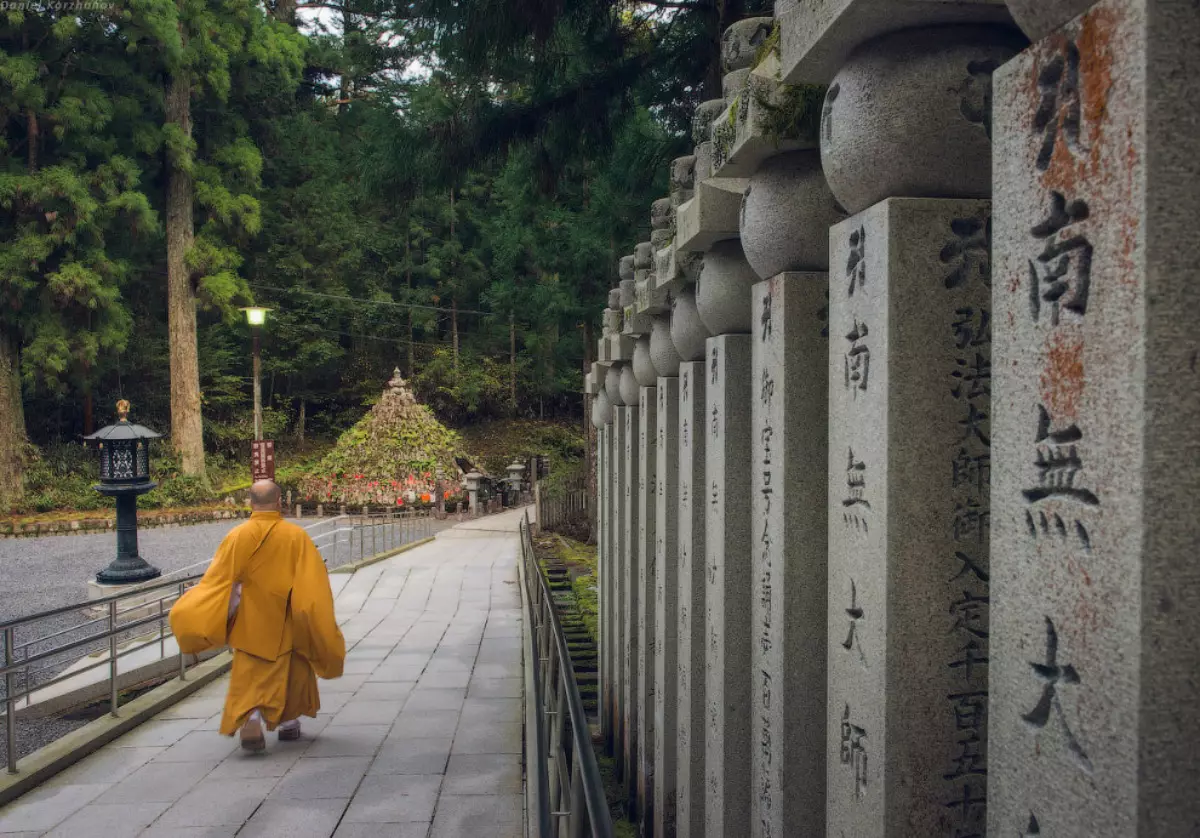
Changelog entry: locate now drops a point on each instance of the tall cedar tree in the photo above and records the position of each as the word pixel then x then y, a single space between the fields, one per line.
pixel 202 50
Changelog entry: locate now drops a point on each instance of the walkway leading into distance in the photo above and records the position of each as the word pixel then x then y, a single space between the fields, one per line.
pixel 421 738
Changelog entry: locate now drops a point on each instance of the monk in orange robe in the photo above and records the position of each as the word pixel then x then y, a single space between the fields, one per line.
pixel 267 595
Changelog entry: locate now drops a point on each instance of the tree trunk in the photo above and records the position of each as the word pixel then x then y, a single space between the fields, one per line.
pixel 187 429
pixel 454 329
pixel 411 337
pixel 725 14
pixel 12 423
pixel 285 11
pixel 300 421
pixel 344 85
pixel 33 134
pixel 512 360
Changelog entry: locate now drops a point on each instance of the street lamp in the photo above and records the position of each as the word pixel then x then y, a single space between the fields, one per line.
pixel 125 474
pixel 256 316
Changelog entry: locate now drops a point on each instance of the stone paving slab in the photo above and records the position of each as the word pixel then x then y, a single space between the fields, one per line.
pixel 422 737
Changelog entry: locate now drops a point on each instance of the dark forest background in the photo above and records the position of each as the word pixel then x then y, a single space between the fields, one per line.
pixel 439 186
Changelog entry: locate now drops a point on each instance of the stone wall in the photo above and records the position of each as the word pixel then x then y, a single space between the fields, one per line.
pixel 903 542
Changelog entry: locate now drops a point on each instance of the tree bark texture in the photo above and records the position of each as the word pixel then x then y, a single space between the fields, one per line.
pixel 12 422
pixel 33 136
pixel 412 362
pixel 187 429
pixel 512 361
pixel 454 329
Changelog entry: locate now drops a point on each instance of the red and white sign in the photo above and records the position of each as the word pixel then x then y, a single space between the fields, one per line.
pixel 262 459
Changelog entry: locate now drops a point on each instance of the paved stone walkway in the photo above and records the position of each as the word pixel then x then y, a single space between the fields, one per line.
pixel 421 738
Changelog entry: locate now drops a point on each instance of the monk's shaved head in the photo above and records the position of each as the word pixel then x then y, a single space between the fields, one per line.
pixel 264 494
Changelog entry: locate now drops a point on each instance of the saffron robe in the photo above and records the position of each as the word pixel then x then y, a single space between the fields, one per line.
pixel 284 633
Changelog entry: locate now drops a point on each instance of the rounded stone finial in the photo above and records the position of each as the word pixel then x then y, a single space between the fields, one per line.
pixel 660 214
pixel 723 290
pixel 688 331
pixel 1038 18
pixel 625 269
pixel 786 215
pixel 643 366
pixel 689 263
pixel 614 298
pixel 909 115
pixel 643 257
pixel 602 412
pixel 628 292
pixel 612 321
pixel 704 161
pixel 612 384
pixel 741 41
pixel 733 84
pixel 629 385
pixel 702 122
pixel 683 173
pixel 662 350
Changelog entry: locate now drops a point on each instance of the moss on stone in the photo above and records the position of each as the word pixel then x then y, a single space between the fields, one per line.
pixel 724 135
pixel 792 111
pixel 768 47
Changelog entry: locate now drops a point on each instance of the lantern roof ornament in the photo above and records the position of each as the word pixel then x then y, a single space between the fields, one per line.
pixel 123 429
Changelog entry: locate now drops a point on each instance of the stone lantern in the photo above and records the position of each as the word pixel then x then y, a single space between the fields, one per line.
pixel 125 474
pixel 473 480
pixel 515 481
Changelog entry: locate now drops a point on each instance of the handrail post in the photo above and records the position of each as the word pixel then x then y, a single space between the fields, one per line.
pixel 10 704
pixel 113 697
pixel 577 820
pixel 182 662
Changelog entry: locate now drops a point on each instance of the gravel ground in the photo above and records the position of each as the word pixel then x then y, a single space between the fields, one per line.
pixel 37 574
pixel 40 574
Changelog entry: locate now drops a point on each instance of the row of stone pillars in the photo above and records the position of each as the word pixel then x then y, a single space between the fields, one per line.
pixel 910 240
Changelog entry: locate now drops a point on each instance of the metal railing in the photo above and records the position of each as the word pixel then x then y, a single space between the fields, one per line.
pixel 350 538
pixel 125 616
pixel 37 660
pixel 571 792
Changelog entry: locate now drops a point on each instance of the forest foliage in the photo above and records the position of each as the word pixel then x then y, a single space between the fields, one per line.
pixel 436 185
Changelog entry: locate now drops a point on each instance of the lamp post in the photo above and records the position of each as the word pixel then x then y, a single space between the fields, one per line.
pixel 256 316
pixel 125 474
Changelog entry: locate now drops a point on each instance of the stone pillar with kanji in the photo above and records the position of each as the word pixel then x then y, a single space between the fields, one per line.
pixel 768 137
pixel 1095 642
pixel 905 148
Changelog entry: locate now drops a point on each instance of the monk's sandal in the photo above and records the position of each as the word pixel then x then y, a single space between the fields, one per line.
pixel 253 738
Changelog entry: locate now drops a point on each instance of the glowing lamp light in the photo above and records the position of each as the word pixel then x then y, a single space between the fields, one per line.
pixel 255 315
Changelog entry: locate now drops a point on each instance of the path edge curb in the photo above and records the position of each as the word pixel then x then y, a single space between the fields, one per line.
pixel 59 755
